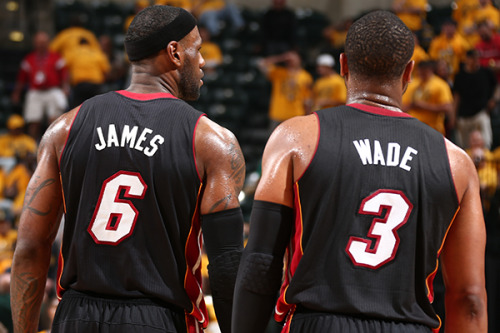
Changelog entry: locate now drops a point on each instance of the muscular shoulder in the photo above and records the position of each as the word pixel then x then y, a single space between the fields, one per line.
pixel 215 144
pixel 54 139
pixel 463 171
pixel 294 140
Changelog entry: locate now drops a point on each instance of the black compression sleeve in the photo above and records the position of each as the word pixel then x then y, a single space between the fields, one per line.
pixel 222 232
pixel 261 267
pixel 223 236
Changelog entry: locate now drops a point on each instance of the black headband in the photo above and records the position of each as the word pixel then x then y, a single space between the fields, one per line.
pixel 174 31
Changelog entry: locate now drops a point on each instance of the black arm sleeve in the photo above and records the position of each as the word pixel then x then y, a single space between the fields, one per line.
pixel 261 268
pixel 223 238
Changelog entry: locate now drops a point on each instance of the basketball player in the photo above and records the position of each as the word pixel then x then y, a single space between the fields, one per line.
pixel 366 198
pixel 136 174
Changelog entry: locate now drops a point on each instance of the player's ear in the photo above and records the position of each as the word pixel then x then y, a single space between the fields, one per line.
pixel 174 53
pixel 344 69
pixel 407 74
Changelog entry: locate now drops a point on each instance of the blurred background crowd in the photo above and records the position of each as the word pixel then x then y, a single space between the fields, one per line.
pixel 263 66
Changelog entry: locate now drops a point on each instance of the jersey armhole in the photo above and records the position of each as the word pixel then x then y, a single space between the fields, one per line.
pixel 315 149
pixel 450 173
pixel 67 136
pixel 194 146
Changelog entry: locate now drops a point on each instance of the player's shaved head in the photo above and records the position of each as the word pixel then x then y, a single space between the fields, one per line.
pixel 378 45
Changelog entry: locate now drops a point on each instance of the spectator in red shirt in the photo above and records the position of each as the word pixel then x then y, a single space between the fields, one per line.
pixel 489 47
pixel 44 74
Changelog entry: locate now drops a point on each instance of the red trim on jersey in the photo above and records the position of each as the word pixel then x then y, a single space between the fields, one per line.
pixel 288 323
pixel 315 149
pixel 380 111
pixel 145 97
pixel 60 267
pixel 294 254
pixel 67 136
pixel 451 175
pixel 197 319
pixel 194 149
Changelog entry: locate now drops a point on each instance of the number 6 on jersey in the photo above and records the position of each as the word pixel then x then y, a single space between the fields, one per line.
pixel 382 229
pixel 114 217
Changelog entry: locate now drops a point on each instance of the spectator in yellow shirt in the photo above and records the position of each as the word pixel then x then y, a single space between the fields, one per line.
pixel 17 180
pixel 463 13
pixel 419 54
pixel 67 40
pixel 186 4
pixel 210 51
pixel 450 46
pixel 15 143
pixel 291 86
pixel 329 89
pixel 485 164
pixel 8 238
pixel 429 98
pixel 87 68
pixel 411 12
pixel 487 12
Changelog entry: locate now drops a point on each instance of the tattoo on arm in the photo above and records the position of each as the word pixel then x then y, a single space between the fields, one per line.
pixel 237 168
pixel 236 178
pixel 28 293
pixel 224 202
pixel 36 192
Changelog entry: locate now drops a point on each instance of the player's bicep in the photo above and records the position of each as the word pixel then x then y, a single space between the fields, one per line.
pixel 42 206
pixel 223 166
pixel 464 249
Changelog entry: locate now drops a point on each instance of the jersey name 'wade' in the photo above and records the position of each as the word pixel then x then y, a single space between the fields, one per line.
pixel 373 154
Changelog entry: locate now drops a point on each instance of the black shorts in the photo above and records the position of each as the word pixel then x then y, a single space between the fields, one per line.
pixel 79 312
pixel 307 322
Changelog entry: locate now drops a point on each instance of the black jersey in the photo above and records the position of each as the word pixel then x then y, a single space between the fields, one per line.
pixel 371 214
pixel 131 190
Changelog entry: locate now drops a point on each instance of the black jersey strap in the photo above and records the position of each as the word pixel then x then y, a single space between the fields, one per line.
pixel 261 266
pixel 223 236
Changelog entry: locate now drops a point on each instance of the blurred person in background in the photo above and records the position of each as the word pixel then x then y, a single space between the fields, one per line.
pixel 44 73
pixel 210 51
pixel 486 168
pixel 429 98
pixel 218 14
pixel 88 68
pixel 488 47
pixel 278 29
pixel 329 89
pixel 15 142
pixel 119 66
pixel 474 99
pixel 291 86
pixel 412 12
pixel 68 39
pixel 449 45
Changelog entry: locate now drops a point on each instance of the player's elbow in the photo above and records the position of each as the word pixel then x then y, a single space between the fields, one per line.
pixel 471 302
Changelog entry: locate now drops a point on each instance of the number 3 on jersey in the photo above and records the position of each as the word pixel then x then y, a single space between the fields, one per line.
pixel 114 216
pixel 382 229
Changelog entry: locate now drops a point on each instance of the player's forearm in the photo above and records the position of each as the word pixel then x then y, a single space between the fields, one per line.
pixel 252 311
pixel 28 278
pixel 466 312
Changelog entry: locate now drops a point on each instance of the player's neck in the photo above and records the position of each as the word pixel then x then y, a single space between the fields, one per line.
pixel 377 100
pixel 144 83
